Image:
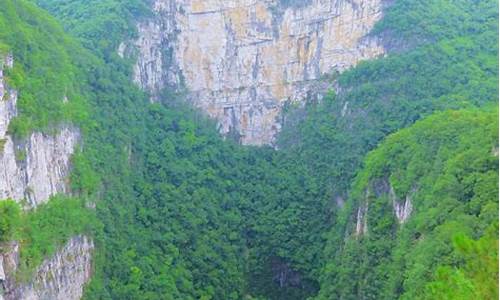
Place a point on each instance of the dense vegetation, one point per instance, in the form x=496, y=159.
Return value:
x=40, y=233
x=100, y=24
x=448, y=67
x=447, y=166
x=44, y=73
x=184, y=214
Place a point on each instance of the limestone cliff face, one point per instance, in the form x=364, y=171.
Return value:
x=241, y=60
x=34, y=169
x=61, y=277
x=37, y=167
x=402, y=208
x=361, y=219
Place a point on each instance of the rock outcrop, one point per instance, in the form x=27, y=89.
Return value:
x=62, y=277
x=361, y=219
x=38, y=166
x=402, y=209
x=34, y=169
x=242, y=60
x=380, y=189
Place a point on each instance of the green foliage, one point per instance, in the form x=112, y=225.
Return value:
x=10, y=217
x=42, y=231
x=2, y=144
x=84, y=179
x=43, y=72
x=49, y=227
x=476, y=276
x=100, y=24
x=410, y=23
x=187, y=215
x=328, y=141
x=447, y=166
x=181, y=233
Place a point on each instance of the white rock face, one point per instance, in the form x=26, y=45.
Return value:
x=402, y=209
x=361, y=224
x=242, y=60
x=38, y=167
x=9, y=261
x=35, y=169
x=62, y=277
x=361, y=217
x=48, y=163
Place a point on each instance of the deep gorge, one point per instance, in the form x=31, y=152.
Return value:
x=185, y=149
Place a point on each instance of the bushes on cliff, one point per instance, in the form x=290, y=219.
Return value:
x=10, y=218
x=44, y=73
x=43, y=230
x=50, y=225
x=447, y=166
x=448, y=69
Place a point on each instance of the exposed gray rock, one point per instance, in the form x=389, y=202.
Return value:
x=361, y=217
x=242, y=60
x=37, y=167
x=382, y=188
x=339, y=201
x=121, y=49
x=402, y=209
x=2, y=272
x=8, y=100
x=9, y=261
x=61, y=277
x=48, y=163
x=9, y=60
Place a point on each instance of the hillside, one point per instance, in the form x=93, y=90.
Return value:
x=425, y=218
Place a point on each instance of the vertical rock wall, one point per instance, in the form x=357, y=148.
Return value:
x=402, y=209
x=34, y=169
x=382, y=188
x=61, y=277
x=241, y=60
x=37, y=167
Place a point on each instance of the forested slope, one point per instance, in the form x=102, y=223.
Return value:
x=426, y=225
x=44, y=73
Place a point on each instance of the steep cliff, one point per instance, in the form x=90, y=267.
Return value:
x=34, y=169
x=62, y=276
x=241, y=61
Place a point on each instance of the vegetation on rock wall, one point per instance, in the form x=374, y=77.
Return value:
x=453, y=70
x=44, y=73
x=42, y=231
x=446, y=166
